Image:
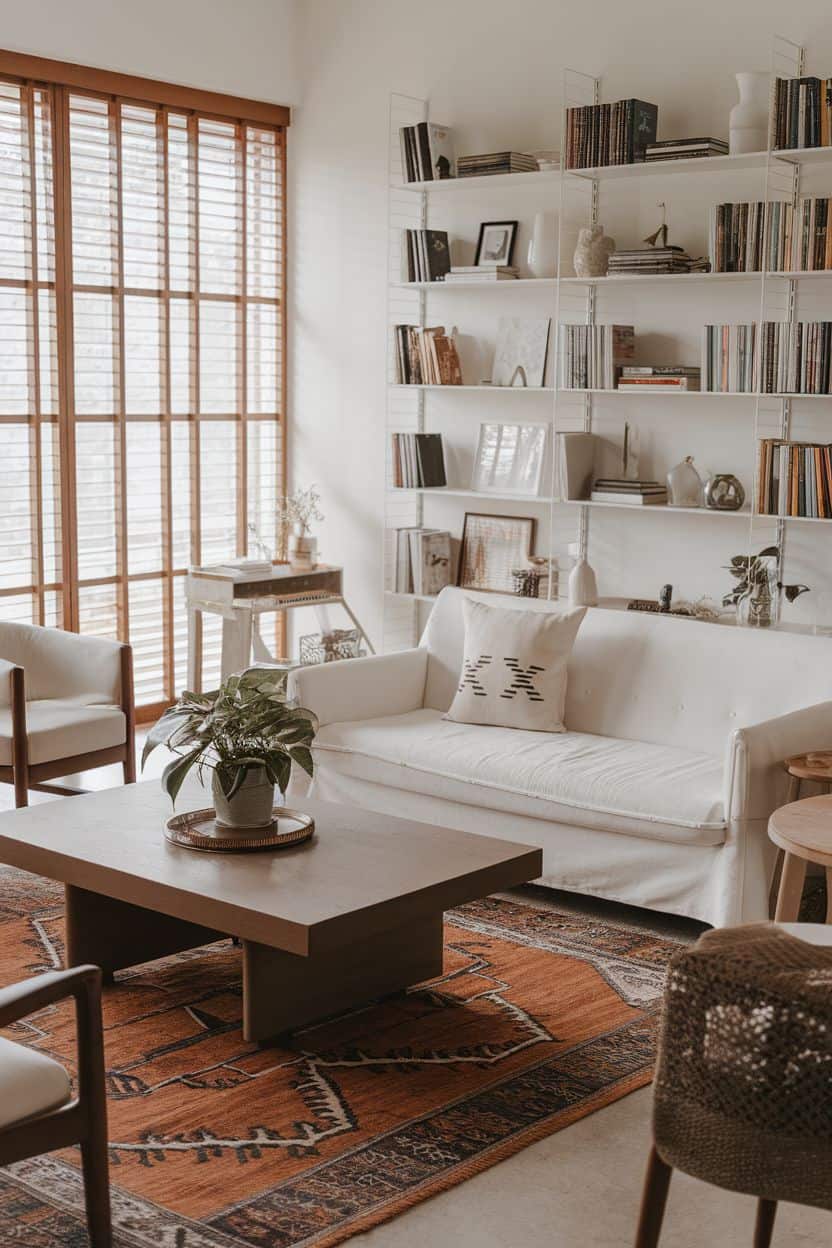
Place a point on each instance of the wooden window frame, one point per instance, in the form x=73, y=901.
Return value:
x=60, y=80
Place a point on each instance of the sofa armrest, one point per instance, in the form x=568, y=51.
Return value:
x=368, y=688
x=6, y=670
x=757, y=780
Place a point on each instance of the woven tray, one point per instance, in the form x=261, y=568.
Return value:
x=198, y=829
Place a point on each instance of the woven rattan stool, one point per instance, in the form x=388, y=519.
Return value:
x=743, y=1094
x=803, y=830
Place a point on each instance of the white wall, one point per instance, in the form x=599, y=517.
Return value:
x=243, y=48
x=493, y=72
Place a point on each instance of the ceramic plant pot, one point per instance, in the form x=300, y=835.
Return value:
x=748, y=120
x=303, y=551
x=252, y=804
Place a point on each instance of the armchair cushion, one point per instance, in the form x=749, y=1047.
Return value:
x=30, y=1083
x=60, y=664
x=63, y=727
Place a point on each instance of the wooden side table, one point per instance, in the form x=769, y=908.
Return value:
x=803, y=830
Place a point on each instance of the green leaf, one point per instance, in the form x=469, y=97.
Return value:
x=163, y=730
x=174, y=774
x=301, y=755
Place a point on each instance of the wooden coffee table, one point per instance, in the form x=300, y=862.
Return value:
x=353, y=914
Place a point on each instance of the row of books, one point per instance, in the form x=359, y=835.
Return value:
x=609, y=134
x=755, y=236
x=654, y=260
x=426, y=255
x=481, y=273
x=591, y=356
x=418, y=461
x=802, y=112
x=422, y=560
x=795, y=479
x=686, y=149
x=778, y=357
x=427, y=152
x=426, y=357
x=659, y=378
x=495, y=162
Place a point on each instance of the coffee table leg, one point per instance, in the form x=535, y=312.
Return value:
x=283, y=991
x=114, y=934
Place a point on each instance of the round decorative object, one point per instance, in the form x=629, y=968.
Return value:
x=684, y=485
x=199, y=829
x=724, y=492
x=592, y=254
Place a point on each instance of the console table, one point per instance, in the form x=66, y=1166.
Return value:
x=240, y=596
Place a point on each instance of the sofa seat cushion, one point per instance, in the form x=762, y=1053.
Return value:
x=576, y=778
x=61, y=727
x=30, y=1083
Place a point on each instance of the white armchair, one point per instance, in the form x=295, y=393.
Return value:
x=66, y=705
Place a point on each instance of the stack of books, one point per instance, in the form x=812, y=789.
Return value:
x=686, y=149
x=609, y=134
x=622, y=490
x=795, y=479
x=418, y=461
x=482, y=273
x=422, y=560
x=495, y=162
x=427, y=152
x=778, y=356
x=426, y=357
x=591, y=356
x=654, y=260
x=426, y=256
x=775, y=237
x=659, y=379
x=802, y=112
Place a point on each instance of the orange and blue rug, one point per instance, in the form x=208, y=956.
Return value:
x=539, y=1019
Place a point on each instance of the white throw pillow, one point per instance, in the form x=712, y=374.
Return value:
x=514, y=666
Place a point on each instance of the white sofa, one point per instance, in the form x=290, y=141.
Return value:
x=659, y=792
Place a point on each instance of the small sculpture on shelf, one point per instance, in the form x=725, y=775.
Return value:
x=659, y=237
x=592, y=254
x=684, y=485
x=724, y=492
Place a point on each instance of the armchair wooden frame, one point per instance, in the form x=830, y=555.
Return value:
x=82, y=1120
x=25, y=775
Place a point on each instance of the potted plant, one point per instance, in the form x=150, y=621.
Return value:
x=296, y=512
x=756, y=595
x=247, y=733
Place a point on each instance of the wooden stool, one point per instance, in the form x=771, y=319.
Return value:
x=803, y=830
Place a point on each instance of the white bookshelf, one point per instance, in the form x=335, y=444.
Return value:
x=576, y=197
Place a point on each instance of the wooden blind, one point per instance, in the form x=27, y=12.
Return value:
x=141, y=361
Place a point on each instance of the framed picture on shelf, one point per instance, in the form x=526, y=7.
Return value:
x=492, y=547
x=495, y=245
x=509, y=458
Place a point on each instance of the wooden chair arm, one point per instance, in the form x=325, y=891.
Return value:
x=19, y=1000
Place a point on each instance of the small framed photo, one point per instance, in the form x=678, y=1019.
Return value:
x=495, y=245
x=509, y=458
x=492, y=547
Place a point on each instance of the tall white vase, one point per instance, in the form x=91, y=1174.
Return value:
x=748, y=120
x=583, y=590
x=540, y=258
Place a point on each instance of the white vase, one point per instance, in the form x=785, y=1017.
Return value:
x=303, y=550
x=583, y=590
x=684, y=485
x=748, y=119
x=540, y=258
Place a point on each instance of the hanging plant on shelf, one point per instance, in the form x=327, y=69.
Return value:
x=756, y=596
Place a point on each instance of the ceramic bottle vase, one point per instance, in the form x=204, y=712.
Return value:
x=583, y=590
x=540, y=258
x=748, y=120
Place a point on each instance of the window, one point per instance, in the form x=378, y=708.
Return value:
x=142, y=382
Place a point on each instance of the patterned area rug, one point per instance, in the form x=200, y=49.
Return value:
x=539, y=1019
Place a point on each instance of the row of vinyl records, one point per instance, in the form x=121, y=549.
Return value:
x=795, y=479
x=421, y=560
x=773, y=357
x=802, y=112
x=609, y=134
x=426, y=357
x=758, y=236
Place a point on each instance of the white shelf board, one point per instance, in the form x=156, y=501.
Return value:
x=545, y=282
x=705, y=164
x=694, y=394
x=449, y=492
x=398, y=385
x=692, y=279
x=804, y=155
x=661, y=508
x=496, y=181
